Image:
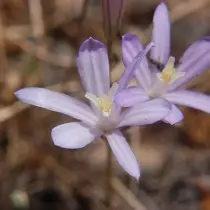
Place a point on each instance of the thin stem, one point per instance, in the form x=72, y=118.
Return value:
x=109, y=48
x=109, y=192
x=84, y=12
x=128, y=179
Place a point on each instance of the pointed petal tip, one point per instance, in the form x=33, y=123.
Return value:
x=91, y=44
x=137, y=176
x=162, y=7
x=22, y=93
x=17, y=92
x=161, y=12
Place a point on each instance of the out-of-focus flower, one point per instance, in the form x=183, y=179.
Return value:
x=165, y=82
x=19, y=199
x=112, y=14
x=103, y=117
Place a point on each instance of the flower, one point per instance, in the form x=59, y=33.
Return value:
x=160, y=78
x=103, y=117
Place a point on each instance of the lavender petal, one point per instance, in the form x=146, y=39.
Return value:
x=93, y=66
x=145, y=113
x=190, y=99
x=131, y=46
x=130, y=71
x=72, y=135
x=123, y=154
x=174, y=116
x=161, y=34
x=57, y=102
x=195, y=69
x=130, y=97
x=194, y=53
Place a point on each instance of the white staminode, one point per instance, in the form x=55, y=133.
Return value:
x=104, y=103
x=169, y=73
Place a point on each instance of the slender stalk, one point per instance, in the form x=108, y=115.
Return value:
x=84, y=12
x=109, y=191
x=128, y=179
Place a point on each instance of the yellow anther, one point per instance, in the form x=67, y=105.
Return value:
x=105, y=104
x=169, y=73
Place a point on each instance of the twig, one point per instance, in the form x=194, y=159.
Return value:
x=3, y=56
x=36, y=17
x=84, y=12
x=127, y=195
x=41, y=53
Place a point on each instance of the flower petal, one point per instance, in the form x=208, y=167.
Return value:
x=194, y=52
x=130, y=71
x=72, y=135
x=57, y=102
x=131, y=46
x=93, y=65
x=161, y=34
x=194, y=64
x=145, y=113
x=131, y=96
x=191, y=99
x=174, y=116
x=123, y=154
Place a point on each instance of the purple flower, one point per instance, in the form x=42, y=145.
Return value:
x=103, y=117
x=165, y=81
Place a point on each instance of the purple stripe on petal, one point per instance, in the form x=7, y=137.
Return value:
x=57, y=102
x=174, y=116
x=131, y=96
x=124, y=154
x=145, y=113
x=131, y=46
x=130, y=71
x=161, y=34
x=72, y=135
x=190, y=99
x=93, y=66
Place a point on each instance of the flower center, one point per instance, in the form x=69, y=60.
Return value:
x=169, y=73
x=105, y=102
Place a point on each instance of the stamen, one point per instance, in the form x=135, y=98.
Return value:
x=92, y=98
x=113, y=90
x=169, y=73
x=103, y=103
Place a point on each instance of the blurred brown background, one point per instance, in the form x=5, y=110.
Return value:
x=39, y=40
